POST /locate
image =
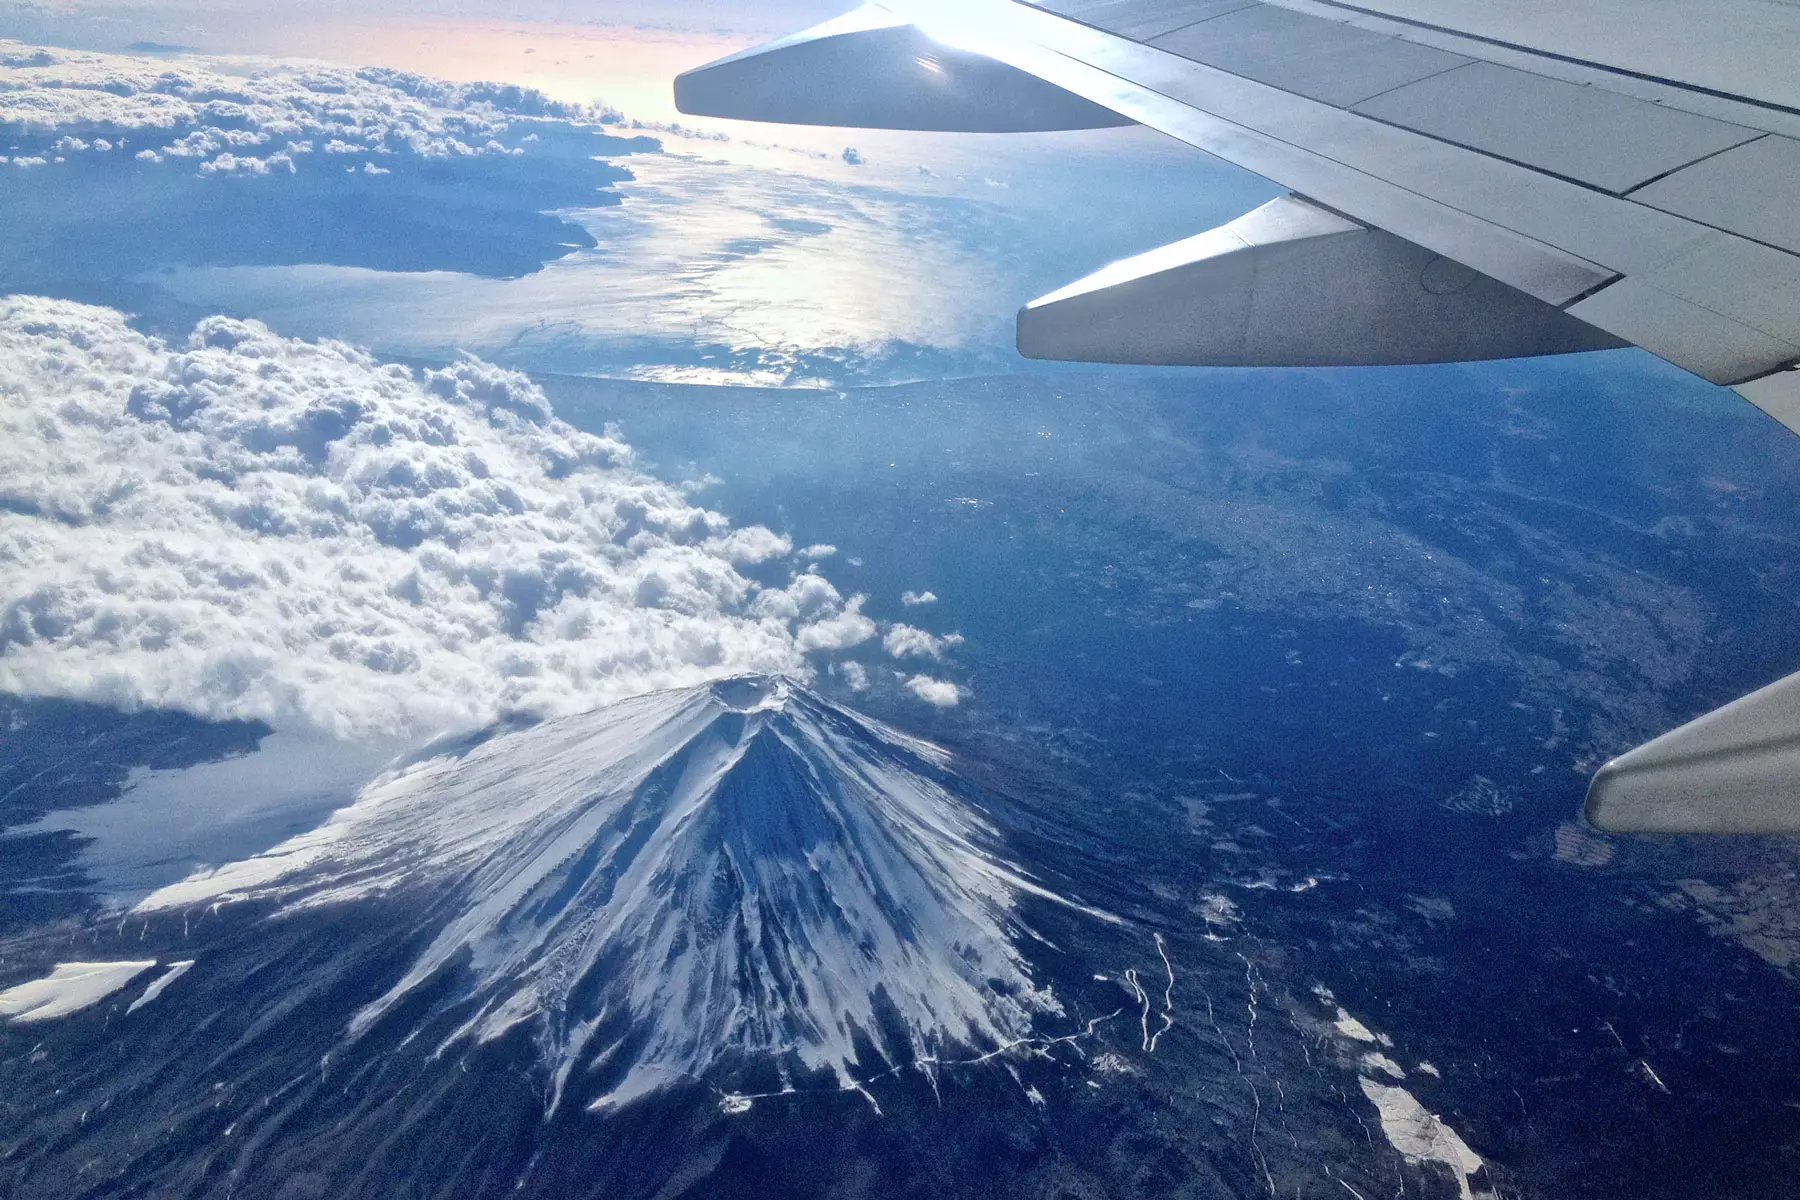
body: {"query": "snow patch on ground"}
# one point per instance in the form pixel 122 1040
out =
pixel 1352 1028
pixel 1377 1062
pixel 1421 1137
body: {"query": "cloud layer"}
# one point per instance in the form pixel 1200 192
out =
pixel 253 117
pixel 246 525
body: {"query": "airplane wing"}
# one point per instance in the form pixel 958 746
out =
pixel 1470 179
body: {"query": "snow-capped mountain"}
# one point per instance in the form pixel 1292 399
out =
pixel 678 881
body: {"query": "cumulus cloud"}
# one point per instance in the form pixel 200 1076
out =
pixel 907 641
pixel 245 525
pixel 914 599
pixel 231 164
pixel 219 114
pixel 840 631
pixel 940 693
pixel 750 545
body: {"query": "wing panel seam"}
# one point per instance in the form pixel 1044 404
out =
pixel 1152 39
pixel 1570 179
pixel 1408 83
pixel 1638 187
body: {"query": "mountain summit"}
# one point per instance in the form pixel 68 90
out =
pixel 680 880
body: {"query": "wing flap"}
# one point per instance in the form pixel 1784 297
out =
pixel 1709 344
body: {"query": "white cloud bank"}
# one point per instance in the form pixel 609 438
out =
pixel 251 526
pixel 254 116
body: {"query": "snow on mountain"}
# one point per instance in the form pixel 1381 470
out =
pixel 684 879
pixel 70 988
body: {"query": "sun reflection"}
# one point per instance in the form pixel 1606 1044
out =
pixel 743 253
pixel 762 269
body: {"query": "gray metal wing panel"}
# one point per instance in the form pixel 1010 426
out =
pixel 1754 285
pixel 1128 76
pixel 1723 105
pixel 1325 60
pixel 1454 200
pixel 1710 345
pixel 1739 47
pixel 1777 394
pixel 1753 189
pixel 1144 19
pixel 1272 133
pixel 1589 134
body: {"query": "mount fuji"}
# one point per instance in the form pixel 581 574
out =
pixel 691 879
pixel 727 941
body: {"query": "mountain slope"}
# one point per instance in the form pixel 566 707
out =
pixel 681 880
